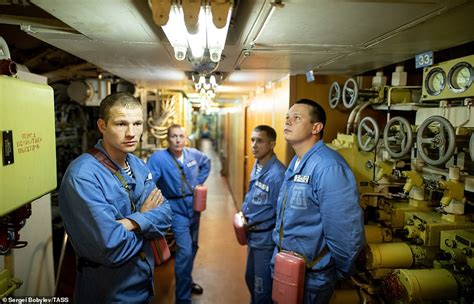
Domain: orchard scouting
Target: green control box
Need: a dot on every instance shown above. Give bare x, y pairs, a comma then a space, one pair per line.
27, 142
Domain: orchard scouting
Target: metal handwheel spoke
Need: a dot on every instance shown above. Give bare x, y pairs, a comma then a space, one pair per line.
366, 127
403, 142
366, 143
393, 139
442, 150
427, 140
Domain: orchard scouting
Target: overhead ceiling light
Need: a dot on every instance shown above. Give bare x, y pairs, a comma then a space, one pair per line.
216, 36
176, 31
208, 31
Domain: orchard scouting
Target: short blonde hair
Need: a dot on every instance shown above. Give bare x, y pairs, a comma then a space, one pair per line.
122, 99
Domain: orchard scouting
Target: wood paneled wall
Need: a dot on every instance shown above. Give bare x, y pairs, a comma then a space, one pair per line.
318, 90
236, 138
269, 106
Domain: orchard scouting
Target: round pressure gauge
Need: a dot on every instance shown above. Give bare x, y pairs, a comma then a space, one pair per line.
435, 81
460, 77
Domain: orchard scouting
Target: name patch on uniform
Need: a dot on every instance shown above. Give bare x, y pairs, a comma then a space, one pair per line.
262, 186
301, 179
191, 163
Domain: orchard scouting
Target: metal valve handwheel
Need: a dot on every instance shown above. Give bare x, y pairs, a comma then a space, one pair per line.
350, 93
368, 134
334, 94
436, 140
398, 137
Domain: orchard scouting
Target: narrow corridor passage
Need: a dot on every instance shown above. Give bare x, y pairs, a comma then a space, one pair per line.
220, 263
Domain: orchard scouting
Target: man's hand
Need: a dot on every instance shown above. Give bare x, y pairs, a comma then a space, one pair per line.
153, 200
128, 224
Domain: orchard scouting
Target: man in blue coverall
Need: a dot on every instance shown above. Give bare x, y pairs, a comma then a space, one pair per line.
109, 217
259, 209
177, 171
318, 212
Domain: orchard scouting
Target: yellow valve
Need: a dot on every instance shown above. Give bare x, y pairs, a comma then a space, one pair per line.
383, 169
414, 178
452, 190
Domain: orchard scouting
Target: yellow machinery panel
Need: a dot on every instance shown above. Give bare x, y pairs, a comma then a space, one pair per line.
27, 142
460, 245
392, 213
426, 227
449, 80
357, 160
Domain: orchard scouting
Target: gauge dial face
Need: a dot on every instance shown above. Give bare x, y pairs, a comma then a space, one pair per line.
460, 77
435, 81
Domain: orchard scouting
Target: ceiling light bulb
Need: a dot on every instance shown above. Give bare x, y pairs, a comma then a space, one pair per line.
175, 31
216, 36
212, 80
197, 41
215, 54
180, 53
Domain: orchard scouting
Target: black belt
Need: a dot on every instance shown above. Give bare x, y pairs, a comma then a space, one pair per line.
83, 262
253, 229
178, 197
327, 267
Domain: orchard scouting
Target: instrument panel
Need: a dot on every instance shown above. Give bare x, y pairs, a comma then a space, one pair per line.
449, 80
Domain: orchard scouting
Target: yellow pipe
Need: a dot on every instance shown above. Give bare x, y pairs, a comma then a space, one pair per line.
389, 255
345, 296
375, 234
427, 284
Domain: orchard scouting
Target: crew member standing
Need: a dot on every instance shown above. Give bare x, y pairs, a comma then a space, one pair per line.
177, 171
111, 209
259, 209
318, 213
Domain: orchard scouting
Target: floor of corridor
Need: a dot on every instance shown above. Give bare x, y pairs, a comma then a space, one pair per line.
220, 261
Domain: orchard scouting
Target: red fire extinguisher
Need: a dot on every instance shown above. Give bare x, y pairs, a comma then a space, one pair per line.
200, 194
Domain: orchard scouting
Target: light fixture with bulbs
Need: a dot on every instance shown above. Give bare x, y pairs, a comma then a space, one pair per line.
194, 26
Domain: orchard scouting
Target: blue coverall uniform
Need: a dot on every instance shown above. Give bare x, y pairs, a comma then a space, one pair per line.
259, 208
116, 265
185, 224
319, 208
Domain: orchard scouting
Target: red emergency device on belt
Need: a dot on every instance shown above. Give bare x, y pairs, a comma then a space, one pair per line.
200, 195
240, 228
161, 251
288, 278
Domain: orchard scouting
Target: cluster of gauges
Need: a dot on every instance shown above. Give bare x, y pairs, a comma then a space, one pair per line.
451, 79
